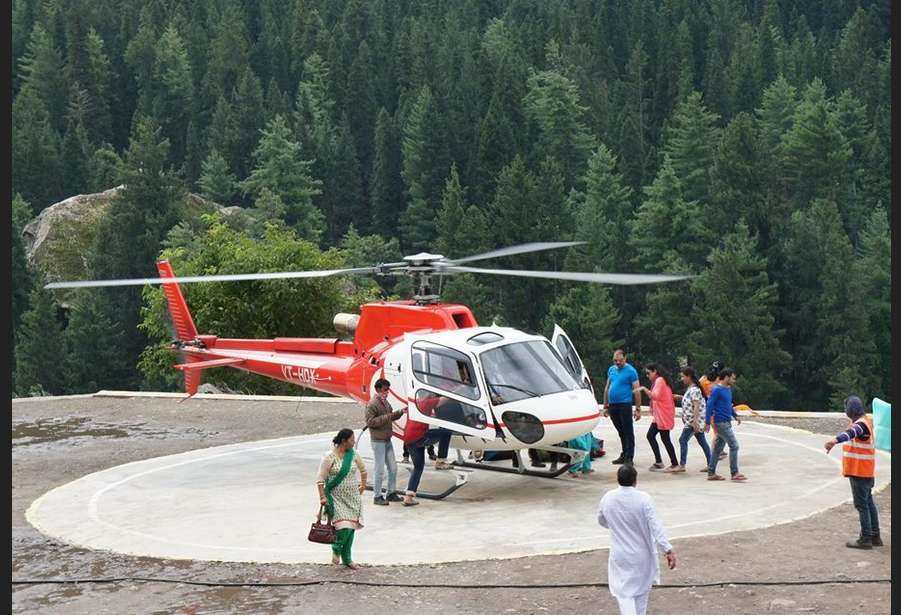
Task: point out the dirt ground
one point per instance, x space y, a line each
57 441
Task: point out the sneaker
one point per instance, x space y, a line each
380 501
861 543
655 467
619 460
393 497
443 465
876 540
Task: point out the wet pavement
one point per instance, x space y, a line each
52 446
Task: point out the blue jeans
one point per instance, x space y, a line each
687 432
724 435
417 453
384 454
862 490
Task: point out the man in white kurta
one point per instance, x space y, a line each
635 536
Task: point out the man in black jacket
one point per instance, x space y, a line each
379 416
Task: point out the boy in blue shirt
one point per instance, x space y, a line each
721 412
620 392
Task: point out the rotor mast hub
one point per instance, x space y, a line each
421 267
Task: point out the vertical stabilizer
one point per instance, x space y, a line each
178 309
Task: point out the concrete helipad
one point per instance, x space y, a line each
254 502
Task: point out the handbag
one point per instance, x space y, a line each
322 532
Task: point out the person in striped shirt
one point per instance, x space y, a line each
859 465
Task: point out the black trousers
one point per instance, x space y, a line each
621 415
664 437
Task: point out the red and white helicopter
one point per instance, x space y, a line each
501 388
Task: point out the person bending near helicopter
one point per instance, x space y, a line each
418 436
620 392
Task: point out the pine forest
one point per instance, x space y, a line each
744 142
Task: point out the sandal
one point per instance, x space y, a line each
739 477
353 566
715 477
336 559
656 467
411 503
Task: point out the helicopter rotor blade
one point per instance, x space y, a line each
275 275
625 279
520 249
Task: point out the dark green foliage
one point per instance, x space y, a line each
733 317
282 169
646 129
216 182
127 242
39 347
20 276
386 184
93 341
261 309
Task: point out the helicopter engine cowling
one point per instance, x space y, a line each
346 324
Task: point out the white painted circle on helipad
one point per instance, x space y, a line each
255 501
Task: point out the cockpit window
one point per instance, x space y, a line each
488 337
445 369
525 369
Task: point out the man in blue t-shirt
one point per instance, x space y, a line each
620 392
720 412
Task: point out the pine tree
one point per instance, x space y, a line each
815 154
37 347
739 183
280 167
826 330
552 104
42 71
734 318
691 138
425 164
668 230
601 216
93 343
36 163
224 134
342 189
386 184
216 182
248 108
873 270
128 239
20 276
173 95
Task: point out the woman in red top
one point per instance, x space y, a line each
663 410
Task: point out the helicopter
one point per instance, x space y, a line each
496 388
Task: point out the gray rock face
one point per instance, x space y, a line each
76 210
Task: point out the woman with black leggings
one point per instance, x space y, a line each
663 410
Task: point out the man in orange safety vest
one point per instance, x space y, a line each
859 465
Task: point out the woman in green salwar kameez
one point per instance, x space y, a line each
341 482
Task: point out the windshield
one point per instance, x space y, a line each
525 369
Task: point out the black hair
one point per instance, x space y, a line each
626 475
714 372
690 372
727 371
381 383
342 436
661 372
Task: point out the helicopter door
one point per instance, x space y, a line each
444 391
571 358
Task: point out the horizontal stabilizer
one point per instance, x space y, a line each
208 364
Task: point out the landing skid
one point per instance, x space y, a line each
461 478
575 457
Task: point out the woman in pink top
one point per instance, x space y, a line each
663 410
